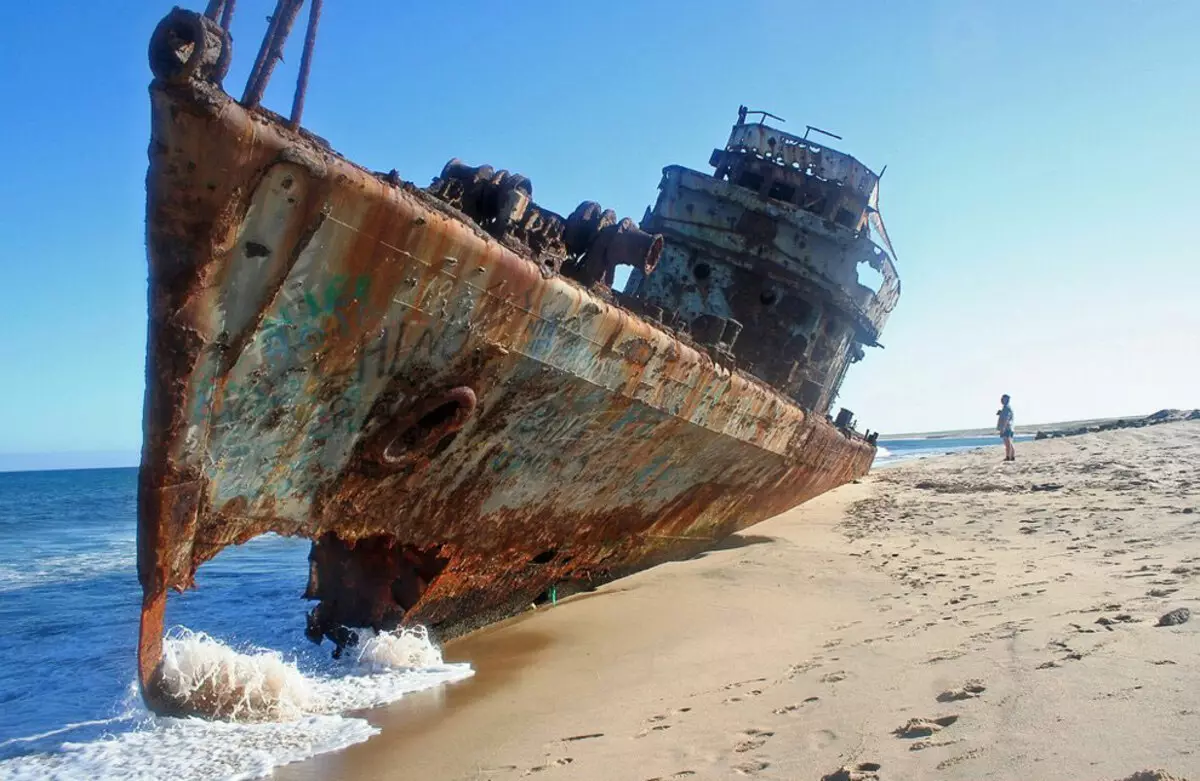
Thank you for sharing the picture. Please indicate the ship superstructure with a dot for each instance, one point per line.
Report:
(763, 259)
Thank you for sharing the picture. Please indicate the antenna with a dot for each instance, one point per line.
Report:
(809, 128)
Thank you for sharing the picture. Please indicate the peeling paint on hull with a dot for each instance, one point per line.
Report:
(338, 357)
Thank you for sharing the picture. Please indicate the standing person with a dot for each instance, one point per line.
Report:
(1004, 424)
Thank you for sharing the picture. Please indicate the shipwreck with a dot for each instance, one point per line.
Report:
(440, 386)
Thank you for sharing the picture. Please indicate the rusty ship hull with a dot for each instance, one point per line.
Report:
(338, 355)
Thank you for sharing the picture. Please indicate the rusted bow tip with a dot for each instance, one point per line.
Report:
(208, 702)
(150, 651)
(156, 698)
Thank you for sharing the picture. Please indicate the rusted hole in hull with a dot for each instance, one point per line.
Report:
(652, 255)
(545, 557)
(371, 582)
(256, 250)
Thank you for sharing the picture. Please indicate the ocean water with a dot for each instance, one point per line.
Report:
(69, 601)
(894, 451)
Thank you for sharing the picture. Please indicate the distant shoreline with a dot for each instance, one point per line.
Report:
(17, 463)
(1031, 428)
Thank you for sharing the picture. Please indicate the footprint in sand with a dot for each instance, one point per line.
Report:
(736, 684)
(952, 761)
(794, 706)
(752, 739)
(751, 768)
(656, 723)
(1109, 623)
(820, 739)
(797, 669)
(561, 762)
(680, 774)
(834, 677)
(969, 690)
(945, 656)
(921, 745)
(923, 728)
(863, 771)
(751, 693)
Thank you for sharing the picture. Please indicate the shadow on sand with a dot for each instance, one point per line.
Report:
(734, 541)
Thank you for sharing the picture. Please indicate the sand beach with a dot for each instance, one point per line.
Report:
(950, 618)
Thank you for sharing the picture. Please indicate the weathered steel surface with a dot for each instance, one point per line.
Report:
(339, 356)
(788, 277)
(772, 240)
(772, 243)
(802, 154)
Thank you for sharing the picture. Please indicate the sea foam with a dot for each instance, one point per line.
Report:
(400, 650)
(269, 712)
(210, 678)
(45, 570)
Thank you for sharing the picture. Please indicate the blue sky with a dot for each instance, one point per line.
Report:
(1040, 185)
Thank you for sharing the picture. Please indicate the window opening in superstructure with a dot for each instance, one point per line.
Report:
(782, 191)
(750, 180)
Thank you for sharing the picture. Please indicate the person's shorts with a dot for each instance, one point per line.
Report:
(1006, 433)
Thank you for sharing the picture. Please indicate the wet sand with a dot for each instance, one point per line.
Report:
(955, 618)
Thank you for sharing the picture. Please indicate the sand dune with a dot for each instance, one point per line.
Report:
(955, 618)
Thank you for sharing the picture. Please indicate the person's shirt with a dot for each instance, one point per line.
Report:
(1006, 417)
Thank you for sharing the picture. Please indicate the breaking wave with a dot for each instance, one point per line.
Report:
(269, 712)
(209, 677)
(403, 650)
